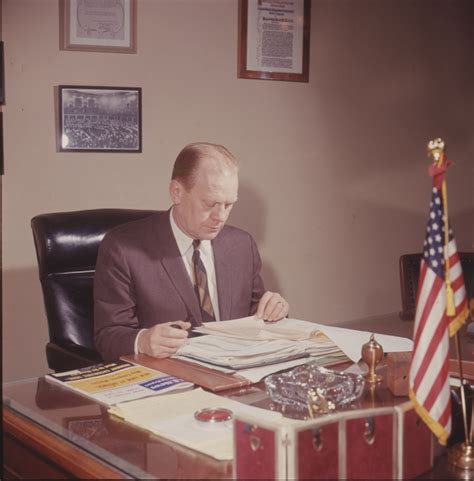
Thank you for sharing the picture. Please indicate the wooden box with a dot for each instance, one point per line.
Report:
(376, 443)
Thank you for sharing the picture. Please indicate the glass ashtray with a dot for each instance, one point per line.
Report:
(314, 390)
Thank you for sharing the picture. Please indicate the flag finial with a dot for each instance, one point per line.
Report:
(436, 149)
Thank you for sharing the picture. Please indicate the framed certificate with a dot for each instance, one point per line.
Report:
(98, 25)
(274, 40)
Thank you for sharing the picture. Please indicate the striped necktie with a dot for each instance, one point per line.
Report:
(201, 285)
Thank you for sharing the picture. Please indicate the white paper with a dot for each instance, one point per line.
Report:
(172, 417)
(350, 341)
(256, 374)
(238, 353)
(275, 36)
(253, 328)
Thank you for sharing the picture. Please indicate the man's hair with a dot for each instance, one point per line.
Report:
(188, 160)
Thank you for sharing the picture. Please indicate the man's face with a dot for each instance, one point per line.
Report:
(202, 211)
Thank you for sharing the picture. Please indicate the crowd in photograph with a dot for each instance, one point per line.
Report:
(102, 135)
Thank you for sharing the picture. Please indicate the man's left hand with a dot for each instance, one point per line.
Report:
(272, 307)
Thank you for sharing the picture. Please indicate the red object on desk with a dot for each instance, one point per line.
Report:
(387, 442)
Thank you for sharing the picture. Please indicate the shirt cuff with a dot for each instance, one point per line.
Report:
(135, 346)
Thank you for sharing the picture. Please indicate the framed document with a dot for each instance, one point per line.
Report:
(274, 39)
(2, 75)
(99, 119)
(98, 25)
(1, 144)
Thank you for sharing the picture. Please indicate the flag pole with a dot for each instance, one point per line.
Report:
(460, 455)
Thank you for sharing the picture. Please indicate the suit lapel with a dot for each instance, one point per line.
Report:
(174, 266)
(223, 277)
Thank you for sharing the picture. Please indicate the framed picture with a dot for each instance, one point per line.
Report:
(2, 75)
(1, 144)
(274, 40)
(98, 25)
(100, 119)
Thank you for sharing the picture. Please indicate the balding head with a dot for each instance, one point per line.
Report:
(204, 188)
(201, 154)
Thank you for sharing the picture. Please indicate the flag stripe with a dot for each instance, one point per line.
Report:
(433, 343)
(432, 295)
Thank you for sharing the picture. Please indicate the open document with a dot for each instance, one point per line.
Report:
(243, 344)
(254, 349)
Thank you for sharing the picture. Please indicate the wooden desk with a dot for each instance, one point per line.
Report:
(51, 433)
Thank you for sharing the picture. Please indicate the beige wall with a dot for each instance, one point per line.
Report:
(333, 183)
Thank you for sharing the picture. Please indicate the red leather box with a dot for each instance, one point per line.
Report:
(376, 443)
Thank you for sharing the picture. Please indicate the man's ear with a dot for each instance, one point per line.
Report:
(176, 191)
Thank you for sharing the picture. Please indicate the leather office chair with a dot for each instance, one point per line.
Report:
(66, 248)
(410, 272)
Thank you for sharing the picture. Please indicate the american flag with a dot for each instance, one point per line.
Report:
(429, 376)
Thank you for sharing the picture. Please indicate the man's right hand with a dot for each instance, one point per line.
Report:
(163, 340)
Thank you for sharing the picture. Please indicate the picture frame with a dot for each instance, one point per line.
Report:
(99, 119)
(2, 169)
(2, 74)
(274, 40)
(98, 26)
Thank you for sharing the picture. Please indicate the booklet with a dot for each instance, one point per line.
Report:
(119, 381)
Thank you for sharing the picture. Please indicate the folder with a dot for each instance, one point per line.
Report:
(215, 381)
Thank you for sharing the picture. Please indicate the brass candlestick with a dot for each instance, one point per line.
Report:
(372, 354)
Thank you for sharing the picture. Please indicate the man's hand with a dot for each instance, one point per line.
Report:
(163, 340)
(272, 307)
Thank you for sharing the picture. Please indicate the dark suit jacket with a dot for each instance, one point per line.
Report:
(141, 280)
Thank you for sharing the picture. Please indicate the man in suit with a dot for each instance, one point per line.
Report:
(158, 276)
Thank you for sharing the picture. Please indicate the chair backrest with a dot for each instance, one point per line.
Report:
(66, 247)
(410, 272)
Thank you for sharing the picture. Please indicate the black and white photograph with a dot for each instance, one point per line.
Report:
(99, 119)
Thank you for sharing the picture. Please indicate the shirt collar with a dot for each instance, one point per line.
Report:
(183, 240)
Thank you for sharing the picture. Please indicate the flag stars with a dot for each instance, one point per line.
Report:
(438, 238)
(434, 263)
(435, 226)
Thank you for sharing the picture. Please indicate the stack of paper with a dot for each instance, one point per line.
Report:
(256, 348)
(349, 341)
(237, 353)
